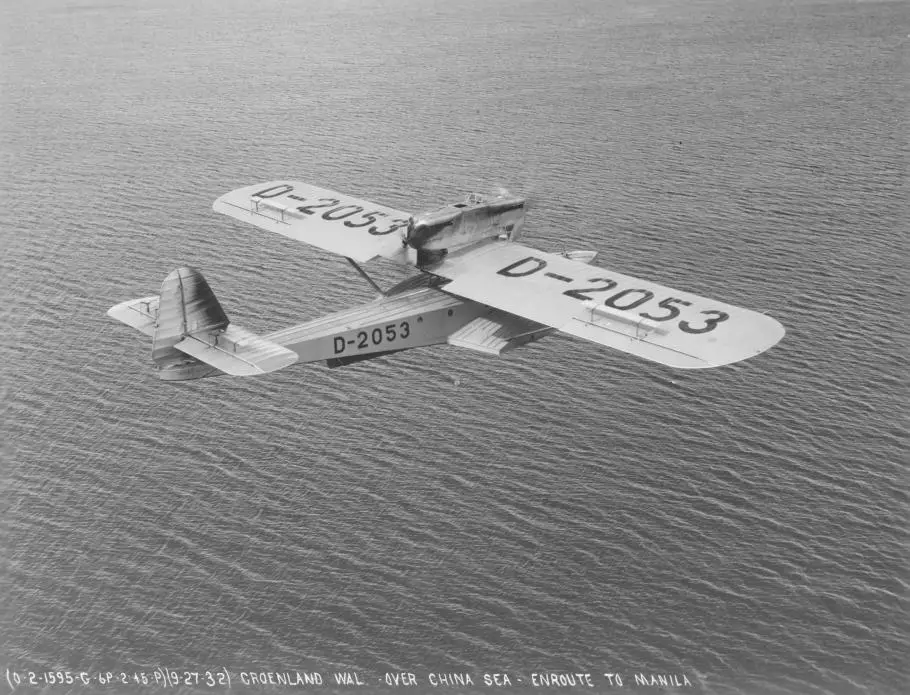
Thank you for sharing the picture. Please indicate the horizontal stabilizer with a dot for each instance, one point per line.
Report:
(237, 351)
(141, 314)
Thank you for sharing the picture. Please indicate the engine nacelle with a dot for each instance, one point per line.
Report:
(463, 223)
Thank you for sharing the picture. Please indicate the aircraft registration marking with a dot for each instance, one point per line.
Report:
(625, 299)
(371, 338)
(332, 209)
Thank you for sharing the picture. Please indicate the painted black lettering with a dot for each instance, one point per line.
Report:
(339, 345)
(405, 329)
(337, 214)
(294, 196)
(377, 336)
(509, 270)
(710, 322)
(311, 208)
(362, 340)
(667, 304)
(397, 223)
(555, 276)
(371, 219)
(645, 296)
(390, 333)
(274, 191)
(579, 293)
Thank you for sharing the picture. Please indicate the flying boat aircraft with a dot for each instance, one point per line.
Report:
(476, 288)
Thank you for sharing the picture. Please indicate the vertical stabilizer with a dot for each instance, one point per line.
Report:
(187, 305)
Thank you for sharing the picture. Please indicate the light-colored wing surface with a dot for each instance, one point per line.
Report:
(675, 328)
(329, 220)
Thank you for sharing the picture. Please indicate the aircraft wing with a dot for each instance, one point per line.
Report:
(331, 221)
(675, 328)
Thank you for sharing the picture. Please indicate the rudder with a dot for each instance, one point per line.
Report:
(186, 305)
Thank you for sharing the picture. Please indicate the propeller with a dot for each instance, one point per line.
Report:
(406, 231)
(503, 192)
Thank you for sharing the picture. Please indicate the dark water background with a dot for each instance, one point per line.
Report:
(566, 508)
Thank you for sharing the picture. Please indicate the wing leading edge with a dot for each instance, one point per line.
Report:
(643, 318)
(329, 220)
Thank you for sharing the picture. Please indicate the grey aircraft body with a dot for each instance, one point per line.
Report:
(477, 288)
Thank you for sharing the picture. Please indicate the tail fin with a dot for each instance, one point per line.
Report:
(193, 337)
(186, 306)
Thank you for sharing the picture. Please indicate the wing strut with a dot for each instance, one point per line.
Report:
(364, 275)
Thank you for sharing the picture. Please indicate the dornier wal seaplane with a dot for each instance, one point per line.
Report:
(477, 288)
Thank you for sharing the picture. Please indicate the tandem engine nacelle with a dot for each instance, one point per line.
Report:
(477, 218)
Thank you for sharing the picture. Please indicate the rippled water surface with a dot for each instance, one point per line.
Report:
(566, 508)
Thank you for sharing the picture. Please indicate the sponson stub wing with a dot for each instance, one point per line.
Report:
(329, 220)
(498, 333)
(676, 328)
